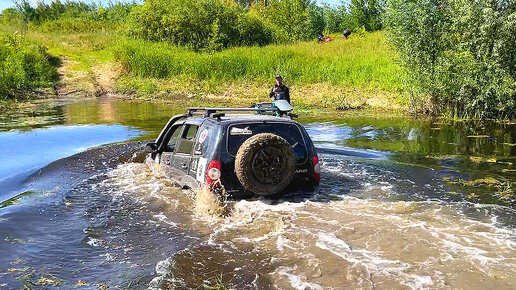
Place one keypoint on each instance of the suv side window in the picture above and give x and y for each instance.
(174, 133)
(202, 142)
(186, 141)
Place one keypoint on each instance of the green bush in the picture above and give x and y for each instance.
(12, 20)
(198, 24)
(365, 14)
(68, 16)
(43, 12)
(23, 66)
(72, 25)
(291, 20)
(460, 52)
(11, 15)
(334, 18)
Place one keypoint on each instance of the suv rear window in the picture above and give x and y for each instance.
(239, 133)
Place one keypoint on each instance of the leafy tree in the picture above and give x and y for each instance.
(11, 15)
(29, 13)
(460, 52)
(334, 18)
(291, 20)
(366, 14)
(199, 24)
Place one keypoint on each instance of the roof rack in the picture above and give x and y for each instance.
(257, 108)
(208, 112)
(213, 110)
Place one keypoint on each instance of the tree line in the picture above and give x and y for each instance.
(206, 24)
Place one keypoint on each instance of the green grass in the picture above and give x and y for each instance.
(360, 72)
(24, 66)
(364, 62)
(73, 25)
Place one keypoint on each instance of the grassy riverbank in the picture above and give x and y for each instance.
(342, 72)
(25, 66)
(101, 52)
(359, 73)
(359, 62)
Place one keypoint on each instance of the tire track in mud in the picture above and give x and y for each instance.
(95, 81)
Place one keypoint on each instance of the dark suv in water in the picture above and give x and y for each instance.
(257, 151)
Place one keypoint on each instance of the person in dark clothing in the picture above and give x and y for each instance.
(320, 38)
(346, 33)
(280, 91)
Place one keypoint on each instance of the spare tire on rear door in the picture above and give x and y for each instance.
(265, 164)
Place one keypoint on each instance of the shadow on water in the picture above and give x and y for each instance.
(68, 231)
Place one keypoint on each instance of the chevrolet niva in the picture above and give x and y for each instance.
(238, 152)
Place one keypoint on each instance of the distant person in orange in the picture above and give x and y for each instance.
(280, 91)
(322, 40)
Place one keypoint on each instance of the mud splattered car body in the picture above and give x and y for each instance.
(206, 148)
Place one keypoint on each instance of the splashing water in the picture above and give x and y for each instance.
(313, 243)
(208, 204)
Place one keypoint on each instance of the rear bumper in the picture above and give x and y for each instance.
(235, 194)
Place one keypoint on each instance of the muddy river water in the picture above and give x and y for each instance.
(404, 204)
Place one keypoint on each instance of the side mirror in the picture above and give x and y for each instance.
(151, 147)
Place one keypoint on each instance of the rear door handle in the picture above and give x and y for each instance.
(183, 165)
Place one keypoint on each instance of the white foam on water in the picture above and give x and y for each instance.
(298, 282)
(367, 243)
(94, 242)
(418, 282)
(372, 261)
(416, 220)
(163, 218)
(282, 243)
(208, 204)
(164, 274)
(108, 257)
(163, 267)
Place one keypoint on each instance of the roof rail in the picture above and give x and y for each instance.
(279, 108)
(207, 112)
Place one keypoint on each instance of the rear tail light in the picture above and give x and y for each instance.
(213, 172)
(317, 170)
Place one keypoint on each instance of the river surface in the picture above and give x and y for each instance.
(404, 204)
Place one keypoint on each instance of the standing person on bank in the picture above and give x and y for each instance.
(280, 91)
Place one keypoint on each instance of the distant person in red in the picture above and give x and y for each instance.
(322, 40)
(280, 91)
(346, 33)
